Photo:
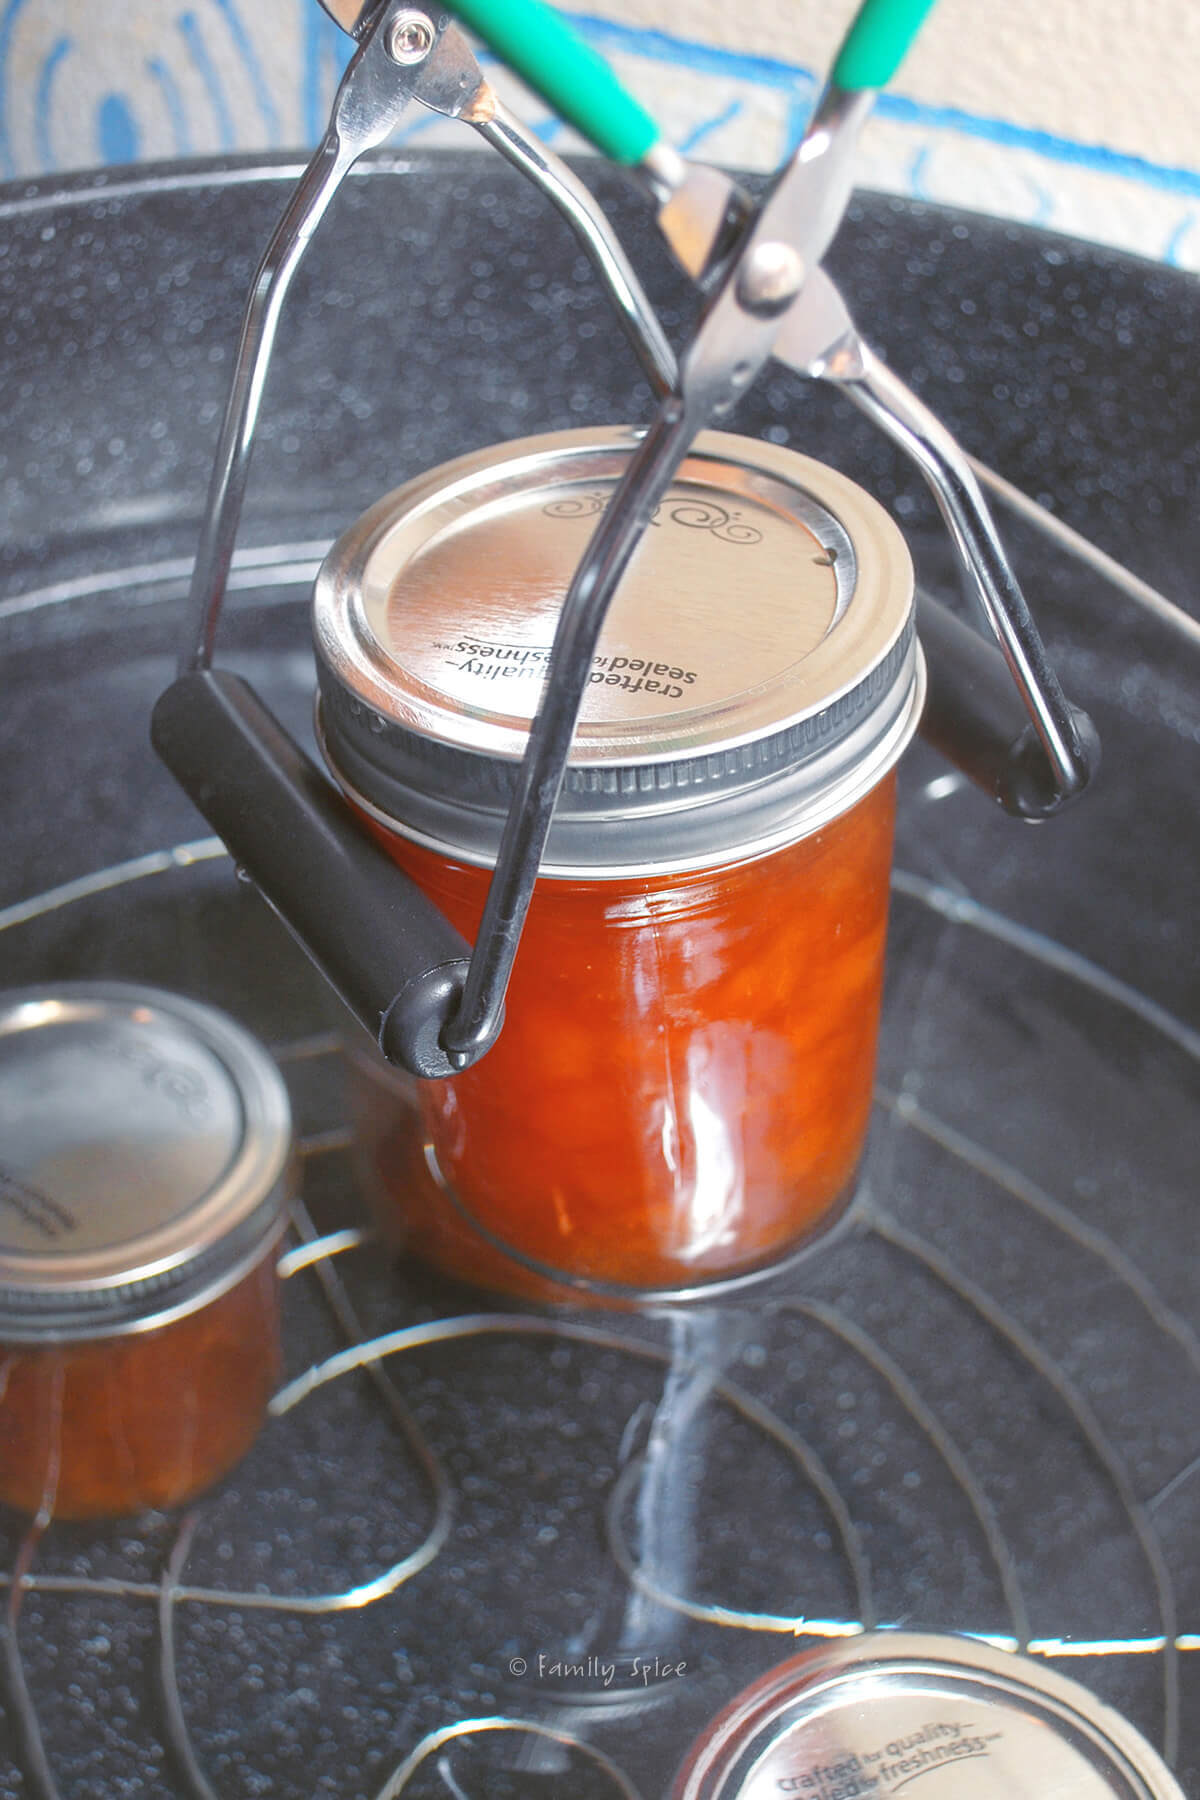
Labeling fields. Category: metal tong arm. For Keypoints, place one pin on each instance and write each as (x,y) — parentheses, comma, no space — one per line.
(1065,735)
(370,101)
(732,343)
(395,961)
(476,1021)
(778,247)
(579,207)
(1058,755)
(373,95)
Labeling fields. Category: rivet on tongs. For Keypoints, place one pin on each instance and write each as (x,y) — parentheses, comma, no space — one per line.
(410,38)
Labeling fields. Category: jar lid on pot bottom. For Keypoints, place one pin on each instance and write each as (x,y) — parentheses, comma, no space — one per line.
(897,1712)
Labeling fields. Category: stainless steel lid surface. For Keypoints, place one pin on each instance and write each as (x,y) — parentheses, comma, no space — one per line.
(762,639)
(144,1143)
(887,1712)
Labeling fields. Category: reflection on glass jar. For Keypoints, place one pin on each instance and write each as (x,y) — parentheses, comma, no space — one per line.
(683,1083)
(119,1424)
(681,1089)
(146,1151)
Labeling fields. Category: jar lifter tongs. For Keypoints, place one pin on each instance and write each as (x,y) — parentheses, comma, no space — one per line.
(433,1004)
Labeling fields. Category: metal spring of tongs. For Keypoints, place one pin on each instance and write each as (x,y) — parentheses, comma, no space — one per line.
(435,1005)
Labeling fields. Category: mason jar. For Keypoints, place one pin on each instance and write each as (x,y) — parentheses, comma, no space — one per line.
(680,1092)
(145,1162)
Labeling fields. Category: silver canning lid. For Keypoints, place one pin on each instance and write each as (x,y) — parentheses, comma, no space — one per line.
(145,1143)
(758,672)
(873,1715)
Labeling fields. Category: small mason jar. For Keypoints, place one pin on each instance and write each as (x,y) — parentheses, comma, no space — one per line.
(681,1089)
(145,1158)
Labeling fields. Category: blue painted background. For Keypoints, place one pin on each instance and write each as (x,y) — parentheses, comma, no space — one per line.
(116,81)
(82,86)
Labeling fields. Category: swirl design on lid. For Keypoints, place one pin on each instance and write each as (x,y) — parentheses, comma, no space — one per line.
(693,514)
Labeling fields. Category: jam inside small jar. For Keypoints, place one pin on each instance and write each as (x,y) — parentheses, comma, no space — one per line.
(681,1089)
(145,1148)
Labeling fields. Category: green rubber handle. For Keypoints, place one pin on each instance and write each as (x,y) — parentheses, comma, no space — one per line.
(544,50)
(877,42)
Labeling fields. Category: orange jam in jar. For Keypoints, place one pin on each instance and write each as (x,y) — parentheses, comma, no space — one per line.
(145,1151)
(681,1089)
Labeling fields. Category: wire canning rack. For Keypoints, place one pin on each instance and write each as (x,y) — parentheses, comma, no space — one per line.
(977,1410)
(471,1541)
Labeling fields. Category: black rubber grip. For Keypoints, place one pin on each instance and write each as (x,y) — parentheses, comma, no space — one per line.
(396,961)
(976,718)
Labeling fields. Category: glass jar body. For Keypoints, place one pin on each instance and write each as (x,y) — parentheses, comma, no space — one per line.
(106,1427)
(682,1087)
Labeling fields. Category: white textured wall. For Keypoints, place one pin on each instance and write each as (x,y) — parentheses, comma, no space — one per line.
(1077,114)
